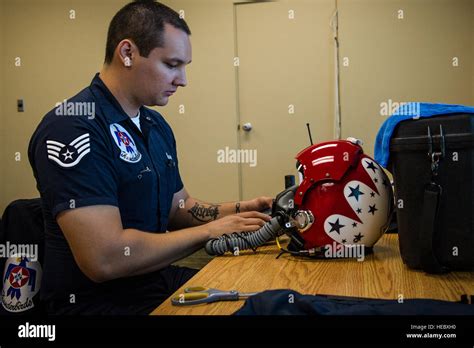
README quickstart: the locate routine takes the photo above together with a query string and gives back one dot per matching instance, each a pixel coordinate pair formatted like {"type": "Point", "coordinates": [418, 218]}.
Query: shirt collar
{"type": "Point", "coordinates": [109, 105]}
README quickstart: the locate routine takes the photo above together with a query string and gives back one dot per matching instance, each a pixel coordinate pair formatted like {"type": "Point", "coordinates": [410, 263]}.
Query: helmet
{"type": "Point", "coordinates": [344, 198]}
{"type": "Point", "coordinates": [344, 203]}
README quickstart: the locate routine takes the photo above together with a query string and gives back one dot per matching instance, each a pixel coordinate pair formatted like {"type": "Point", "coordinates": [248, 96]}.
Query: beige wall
{"type": "Point", "coordinates": [402, 60]}
{"type": "Point", "coordinates": [60, 56]}
{"type": "Point", "coordinates": [209, 121]}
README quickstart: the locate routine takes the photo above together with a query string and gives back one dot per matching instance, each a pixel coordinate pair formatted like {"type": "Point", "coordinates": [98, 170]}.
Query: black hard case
{"type": "Point", "coordinates": [450, 137]}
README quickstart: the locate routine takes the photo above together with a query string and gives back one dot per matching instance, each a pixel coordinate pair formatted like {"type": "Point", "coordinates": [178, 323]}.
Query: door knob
{"type": "Point", "coordinates": [247, 127]}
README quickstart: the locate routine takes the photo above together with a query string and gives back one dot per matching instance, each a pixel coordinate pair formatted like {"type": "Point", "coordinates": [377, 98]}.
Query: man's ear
{"type": "Point", "coordinates": [125, 50]}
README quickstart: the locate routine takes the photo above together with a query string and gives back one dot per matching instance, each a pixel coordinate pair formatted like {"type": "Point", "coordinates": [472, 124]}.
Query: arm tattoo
{"type": "Point", "coordinates": [204, 213]}
{"type": "Point", "coordinates": [237, 207]}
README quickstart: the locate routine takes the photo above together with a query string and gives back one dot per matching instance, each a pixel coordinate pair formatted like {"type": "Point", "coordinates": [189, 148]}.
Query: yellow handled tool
{"type": "Point", "coordinates": [199, 294]}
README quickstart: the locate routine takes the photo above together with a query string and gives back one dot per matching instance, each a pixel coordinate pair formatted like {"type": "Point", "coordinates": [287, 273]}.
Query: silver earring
{"type": "Point", "coordinates": [127, 62]}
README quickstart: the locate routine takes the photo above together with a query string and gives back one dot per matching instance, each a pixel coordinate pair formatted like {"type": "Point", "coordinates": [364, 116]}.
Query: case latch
{"type": "Point", "coordinates": [436, 156]}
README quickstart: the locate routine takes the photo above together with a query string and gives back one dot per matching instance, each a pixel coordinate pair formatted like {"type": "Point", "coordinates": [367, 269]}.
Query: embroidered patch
{"type": "Point", "coordinates": [128, 148]}
{"type": "Point", "coordinates": [68, 155]}
{"type": "Point", "coordinates": [21, 282]}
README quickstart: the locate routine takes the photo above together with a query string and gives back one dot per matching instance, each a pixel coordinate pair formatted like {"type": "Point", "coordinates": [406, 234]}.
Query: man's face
{"type": "Point", "coordinates": [159, 75]}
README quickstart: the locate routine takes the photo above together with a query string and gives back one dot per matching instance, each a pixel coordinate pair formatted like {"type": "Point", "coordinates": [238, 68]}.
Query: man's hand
{"type": "Point", "coordinates": [256, 204]}
{"type": "Point", "coordinates": [187, 211]}
{"type": "Point", "coordinates": [248, 221]}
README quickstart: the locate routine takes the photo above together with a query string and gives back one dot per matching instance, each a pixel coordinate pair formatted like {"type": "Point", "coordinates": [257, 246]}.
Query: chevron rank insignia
{"type": "Point", "coordinates": [69, 155]}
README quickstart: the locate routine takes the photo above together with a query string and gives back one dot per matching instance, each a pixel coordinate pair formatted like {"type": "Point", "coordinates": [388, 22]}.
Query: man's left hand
{"type": "Point", "coordinates": [257, 204]}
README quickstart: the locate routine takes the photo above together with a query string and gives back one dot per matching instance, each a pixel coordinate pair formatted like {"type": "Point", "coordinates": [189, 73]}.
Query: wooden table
{"type": "Point", "coordinates": [381, 275]}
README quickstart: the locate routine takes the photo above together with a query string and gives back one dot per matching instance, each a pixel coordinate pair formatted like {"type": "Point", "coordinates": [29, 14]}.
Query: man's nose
{"type": "Point", "coordinates": [181, 80]}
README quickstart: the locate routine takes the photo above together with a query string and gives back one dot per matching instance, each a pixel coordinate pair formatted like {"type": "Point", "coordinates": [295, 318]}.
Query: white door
{"type": "Point", "coordinates": [285, 80]}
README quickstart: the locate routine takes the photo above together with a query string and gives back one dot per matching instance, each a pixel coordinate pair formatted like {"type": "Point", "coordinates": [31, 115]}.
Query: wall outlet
{"type": "Point", "coordinates": [20, 106]}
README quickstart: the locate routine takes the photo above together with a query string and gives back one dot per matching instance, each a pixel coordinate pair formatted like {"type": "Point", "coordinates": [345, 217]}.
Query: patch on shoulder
{"type": "Point", "coordinates": [126, 144]}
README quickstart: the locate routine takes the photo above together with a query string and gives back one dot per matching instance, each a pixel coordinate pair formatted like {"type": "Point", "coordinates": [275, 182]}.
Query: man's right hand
{"type": "Point", "coordinates": [248, 221]}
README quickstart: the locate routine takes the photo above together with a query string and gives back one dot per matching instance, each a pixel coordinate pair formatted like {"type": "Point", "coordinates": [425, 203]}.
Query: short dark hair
{"type": "Point", "coordinates": [143, 22]}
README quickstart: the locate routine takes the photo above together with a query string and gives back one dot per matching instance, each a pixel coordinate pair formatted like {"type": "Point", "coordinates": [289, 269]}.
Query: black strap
{"type": "Point", "coordinates": [429, 262]}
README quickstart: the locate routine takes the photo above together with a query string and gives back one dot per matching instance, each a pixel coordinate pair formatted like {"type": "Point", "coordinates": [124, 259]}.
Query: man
{"type": "Point", "coordinates": [110, 182]}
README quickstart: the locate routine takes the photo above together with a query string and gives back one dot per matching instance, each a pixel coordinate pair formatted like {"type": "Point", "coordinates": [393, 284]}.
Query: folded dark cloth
{"type": "Point", "coordinates": [288, 302]}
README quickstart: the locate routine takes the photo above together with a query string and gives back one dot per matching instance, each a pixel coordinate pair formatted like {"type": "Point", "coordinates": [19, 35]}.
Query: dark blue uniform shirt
{"type": "Point", "coordinates": [80, 158]}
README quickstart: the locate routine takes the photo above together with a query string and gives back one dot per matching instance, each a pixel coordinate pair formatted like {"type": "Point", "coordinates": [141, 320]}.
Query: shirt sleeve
{"type": "Point", "coordinates": [73, 164]}
{"type": "Point", "coordinates": [179, 182]}
{"type": "Point", "coordinates": [170, 136]}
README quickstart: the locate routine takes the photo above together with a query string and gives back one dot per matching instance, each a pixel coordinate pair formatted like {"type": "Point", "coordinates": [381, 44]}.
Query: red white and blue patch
{"type": "Point", "coordinates": [21, 282]}
{"type": "Point", "coordinates": [128, 148]}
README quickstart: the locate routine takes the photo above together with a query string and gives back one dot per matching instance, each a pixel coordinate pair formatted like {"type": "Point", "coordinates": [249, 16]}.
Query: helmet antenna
{"type": "Point", "coordinates": [309, 133]}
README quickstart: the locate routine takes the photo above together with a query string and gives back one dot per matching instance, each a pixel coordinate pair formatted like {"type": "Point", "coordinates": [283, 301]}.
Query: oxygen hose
{"type": "Point", "coordinates": [244, 240]}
